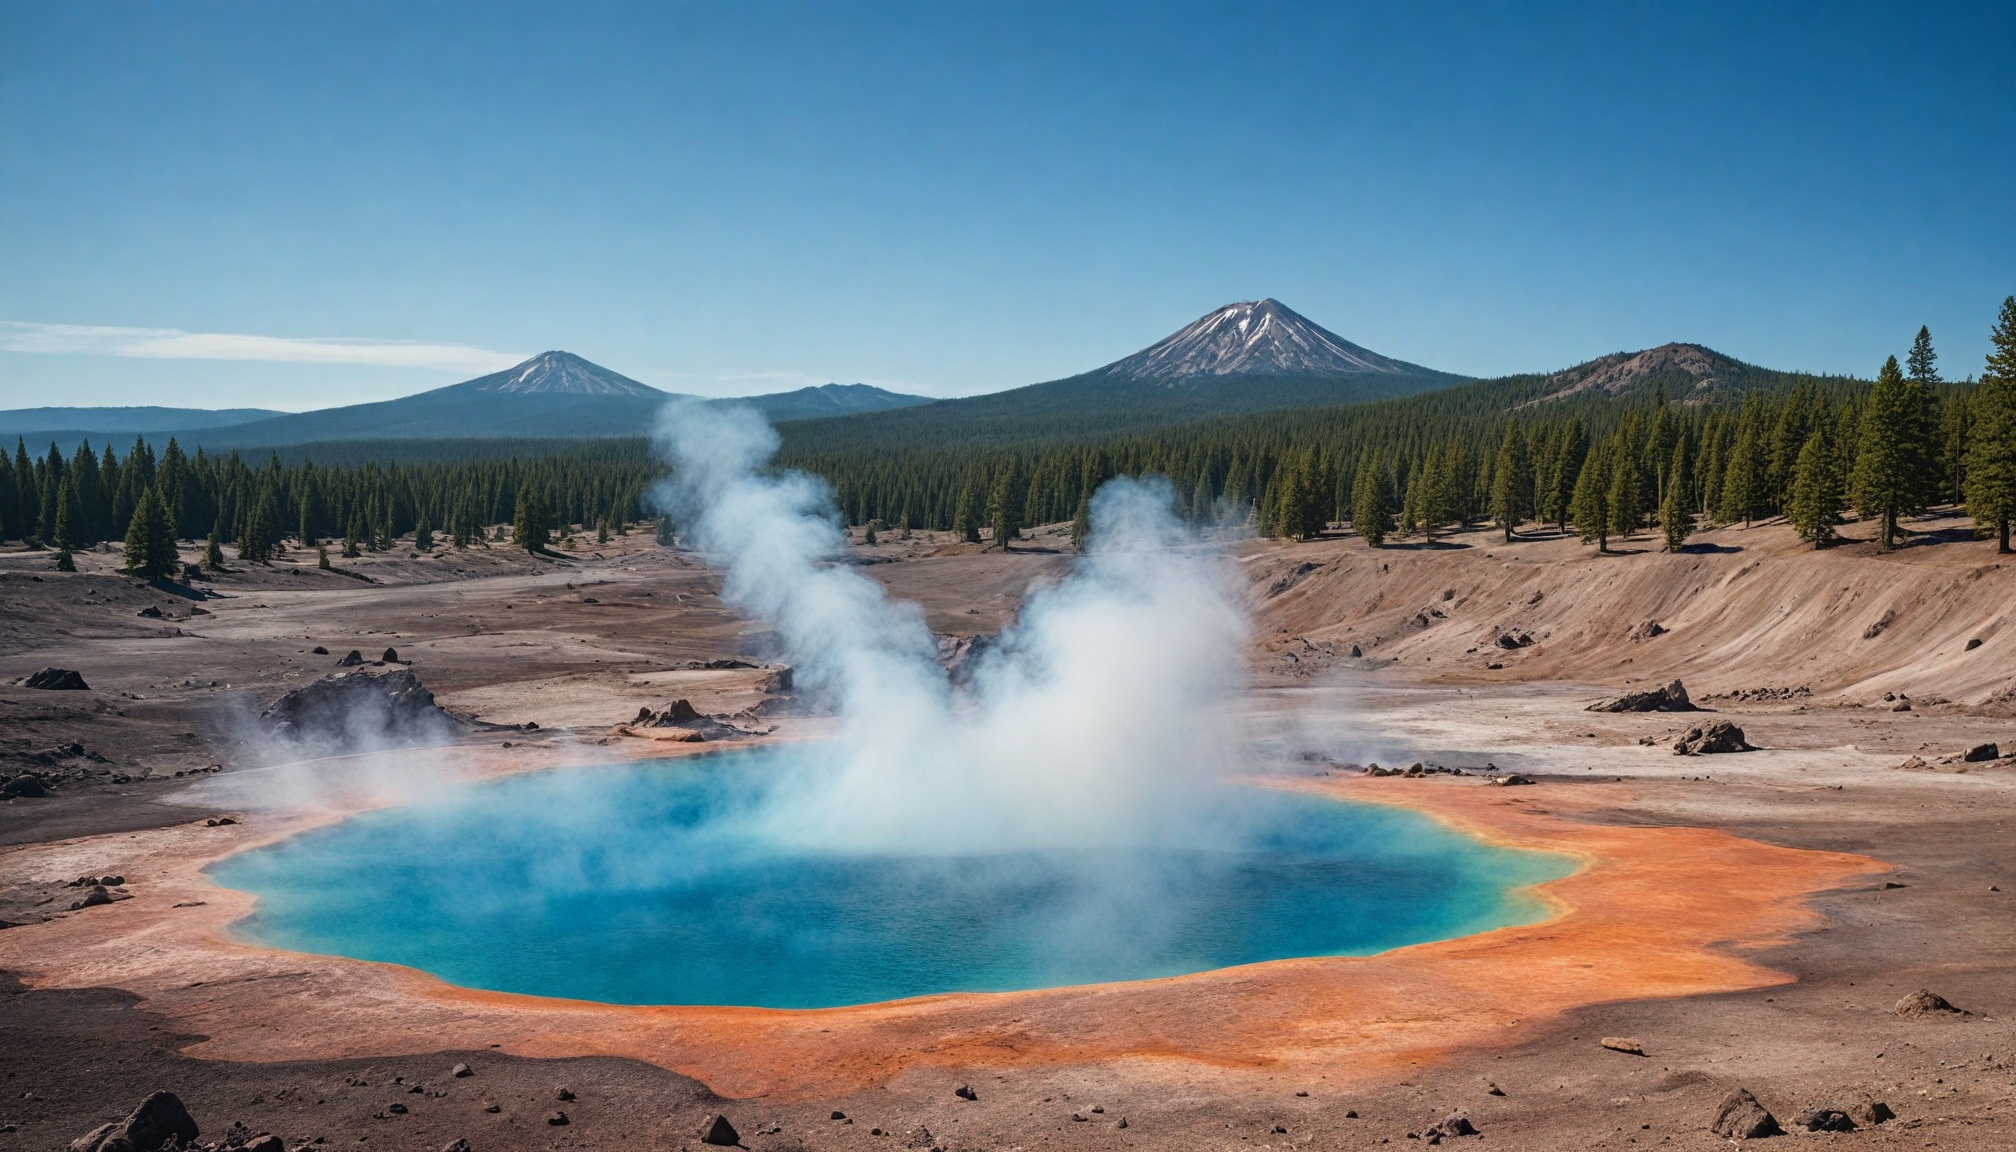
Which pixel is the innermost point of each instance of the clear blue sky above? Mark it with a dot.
(960, 197)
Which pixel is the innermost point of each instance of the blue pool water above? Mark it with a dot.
(636, 885)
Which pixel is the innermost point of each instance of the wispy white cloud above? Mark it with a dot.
(175, 344)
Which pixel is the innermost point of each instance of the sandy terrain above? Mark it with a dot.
(1749, 918)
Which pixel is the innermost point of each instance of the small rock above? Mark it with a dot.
(1511, 780)
(391, 656)
(1824, 1120)
(1623, 1044)
(1741, 1117)
(265, 1142)
(1973, 643)
(1869, 1112)
(1494, 1090)
(492, 1106)
(1923, 1003)
(556, 1118)
(456, 1145)
(837, 1115)
(57, 680)
(1451, 1126)
(462, 1070)
(92, 899)
(1122, 1123)
(319, 650)
(351, 659)
(397, 1109)
(565, 1094)
(1982, 752)
(965, 1092)
(1671, 698)
(717, 1130)
(150, 612)
(25, 785)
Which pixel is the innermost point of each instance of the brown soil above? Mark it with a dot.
(1739, 914)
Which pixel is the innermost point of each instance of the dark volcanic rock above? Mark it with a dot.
(57, 680)
(362, 710)
(158, 1119)
(351, 659)
(1923, 1003)
(1982, 752)
(1823, 1120)
(1706, 739)
(25, 785)
(1741, 1117)
(717, 1130)
(1512, 640)
(92, 899)
(1869, 1112)
(1451, 1126)
(1671, 698)
(391, 656)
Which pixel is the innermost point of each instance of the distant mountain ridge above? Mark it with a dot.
(136, 418)
(554, 395)
(1689, 371)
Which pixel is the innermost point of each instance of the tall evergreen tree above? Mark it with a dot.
(968, 513)
(1991, 448)
(1372, 502)
(1590, 505)
(66, 501)
(531, 526)
(1895, 474)
(1512, 481)
(1011, 489)
(1676, 509)
(1816, 501)
(150, 540)
(1921, 364)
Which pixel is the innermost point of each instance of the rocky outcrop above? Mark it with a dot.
(159, 1119)
(717, 1130)
(1741, 1117)
(1708, 739)
(57, 680)
(360, 710)
(1671, 698)
(1922, 1003)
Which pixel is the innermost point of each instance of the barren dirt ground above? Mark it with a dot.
(1841, 668)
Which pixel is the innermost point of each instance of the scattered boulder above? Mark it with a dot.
(1824, 1120)
(1623, 1044)
(361, 709)
(351, 659)
(57, 680)
(391, 656)
(1512, 640)
(1511, 780)
(319, 650)
(1450, 1127)
(1741, 1117)
(151, 612)
(557, 1119)
(1708, 739)
(1982, 752)
(1647, 630)
(965, 1092)
(1357, 653)
(1869, 1112)
(717, 1130)
(1671, 698)
(264, 1142)
(25, 785)
(462, 1071)
(960, 655)
(159, 1119)
(1922, 1003)
(92, 899)
(1973, 644)
(456, 1145)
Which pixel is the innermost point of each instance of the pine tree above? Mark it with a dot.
(1991, 447)
(1081, 521)
(322, 557)
(423, 533)
(1676, 509)
(1744, 478)
(966, 514)
(601, 532)
(353, 538)
(213, 550)
(665, 536)
(1621, 499)
(869, 536)
(1590, 505)
(1512, 481)
(150, 540)
(1895, 471)
(1921, 363)
(530, 526)
(65, 499)
(1010, 490)
(1815, 504)
(1372, 502)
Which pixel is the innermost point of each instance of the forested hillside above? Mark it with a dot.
(1610, 459)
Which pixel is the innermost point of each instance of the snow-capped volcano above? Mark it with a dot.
(558, 373)
(1253, 338)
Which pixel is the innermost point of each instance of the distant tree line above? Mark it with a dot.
(150, 501)
(1808, 448)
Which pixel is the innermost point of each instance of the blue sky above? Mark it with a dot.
(300, 204)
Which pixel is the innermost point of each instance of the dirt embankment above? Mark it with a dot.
(1742, 609)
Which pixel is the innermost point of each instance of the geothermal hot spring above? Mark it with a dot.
(1078, 804)
(656, 884)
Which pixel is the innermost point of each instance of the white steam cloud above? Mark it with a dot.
(1099, 720)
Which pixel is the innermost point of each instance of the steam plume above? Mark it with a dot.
(1099, 720)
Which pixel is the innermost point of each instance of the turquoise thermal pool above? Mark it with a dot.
(647, 884)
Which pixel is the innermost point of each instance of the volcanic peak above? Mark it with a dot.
(557, 373)
(1253, 338)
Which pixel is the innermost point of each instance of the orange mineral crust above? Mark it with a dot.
(1651, 912)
